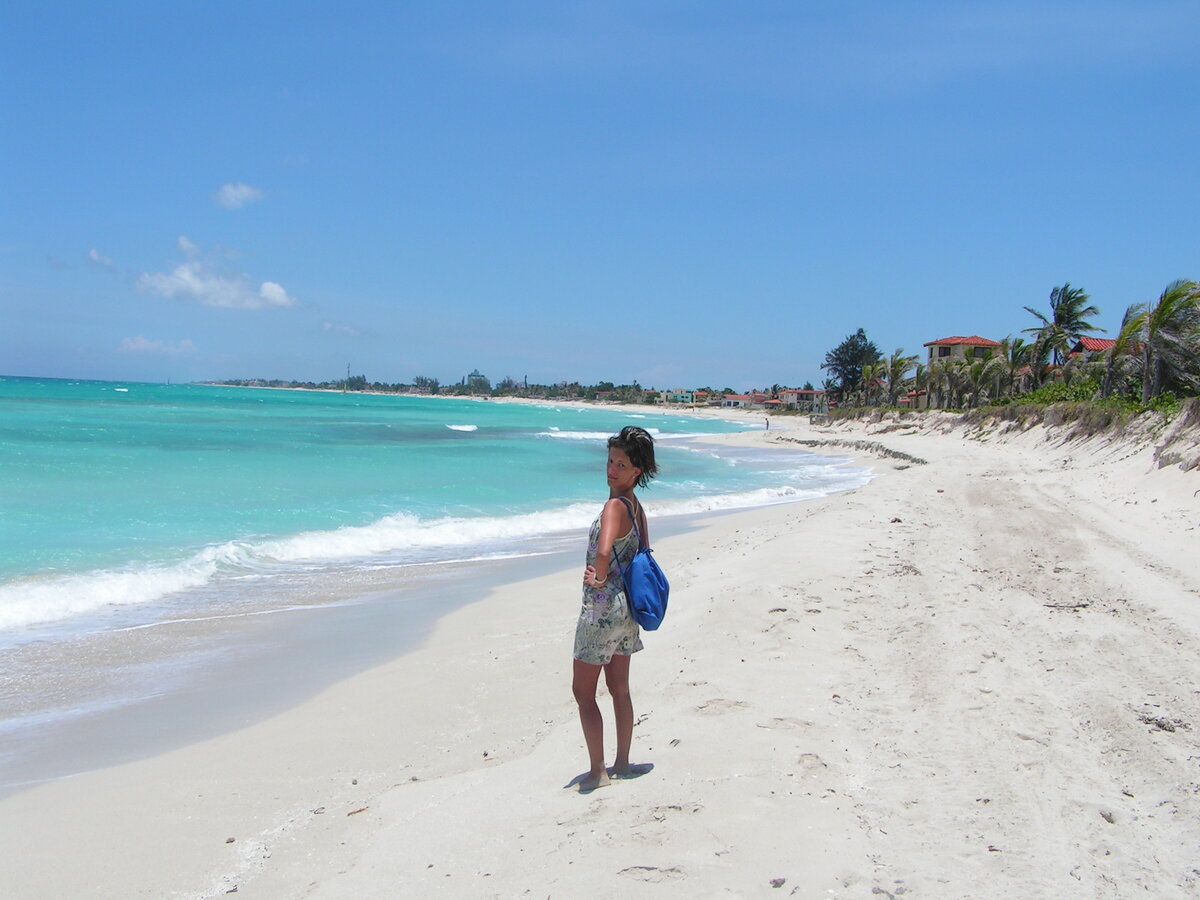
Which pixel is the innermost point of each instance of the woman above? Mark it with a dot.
(607, 635)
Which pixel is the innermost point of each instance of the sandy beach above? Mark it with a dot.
(974, 677)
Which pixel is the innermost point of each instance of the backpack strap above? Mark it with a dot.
(633, 518)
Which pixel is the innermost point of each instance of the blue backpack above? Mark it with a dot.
(646, 587)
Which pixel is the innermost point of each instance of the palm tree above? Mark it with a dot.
(981, 372)
(832, 392)
(920, 382)
(1119, 362)
(1072, 366)
(871, 373)
(1170, 336)
(1039, 360)
(895, 371)
(1014, 354)
(938, 381)
(1068, 319)
(952, 381)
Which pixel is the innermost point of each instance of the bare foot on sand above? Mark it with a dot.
(589, 783)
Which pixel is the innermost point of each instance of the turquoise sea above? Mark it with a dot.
(126, 508)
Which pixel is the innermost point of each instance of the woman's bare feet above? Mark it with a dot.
(591, 782)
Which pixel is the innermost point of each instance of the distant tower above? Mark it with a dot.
(478, 383)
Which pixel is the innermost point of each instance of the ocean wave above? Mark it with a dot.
(463, 427)
(33, 601)
(576, 435)
(43, 599)
(601, 435)
(407, 539)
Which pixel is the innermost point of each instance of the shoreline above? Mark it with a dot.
(964, 674)
(224, 656)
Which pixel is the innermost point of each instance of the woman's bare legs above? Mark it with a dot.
(616, 676)
(583, 684)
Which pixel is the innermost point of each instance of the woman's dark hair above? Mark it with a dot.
(639, 447)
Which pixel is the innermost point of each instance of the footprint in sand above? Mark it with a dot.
(785, 722)
(781, 623)
(660, 813)
(720, 705)
(653, 873)
(811, 762)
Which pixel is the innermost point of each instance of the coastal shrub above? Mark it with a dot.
(1166, 403)
(872, 414)
(1079, 390)
(1090, 419)
(1023, 413)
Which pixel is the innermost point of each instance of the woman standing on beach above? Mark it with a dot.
(607, 635)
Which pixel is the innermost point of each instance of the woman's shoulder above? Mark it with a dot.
(621, 506)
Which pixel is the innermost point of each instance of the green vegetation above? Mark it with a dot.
(1067, 322)
(1152, 362)
(852, 362)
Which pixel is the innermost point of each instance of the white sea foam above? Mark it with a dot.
(576, 435)
(393, 540)
(600, 435)
(463, 427)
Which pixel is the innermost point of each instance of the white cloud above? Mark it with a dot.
(235, 196)
(193, 281)
(140, 344)
(99, 258)
(273, 294)
(338, 328)
(186, 247)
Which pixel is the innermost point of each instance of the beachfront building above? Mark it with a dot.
(680, 396)
(1091, 347)
(753, 400)
(957, 347)
(802, 400)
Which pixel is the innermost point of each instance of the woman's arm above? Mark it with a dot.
(614, 521)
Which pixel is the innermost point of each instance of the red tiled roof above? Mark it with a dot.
(972, 341)
(1091, 343)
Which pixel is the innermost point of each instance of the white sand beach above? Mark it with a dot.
(974, 677)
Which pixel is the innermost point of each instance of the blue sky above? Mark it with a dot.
(679, 193)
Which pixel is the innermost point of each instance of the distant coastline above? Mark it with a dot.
(729, 414)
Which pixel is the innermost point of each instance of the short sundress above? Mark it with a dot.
(605, 626)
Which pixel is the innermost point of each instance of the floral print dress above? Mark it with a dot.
(605, 626)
